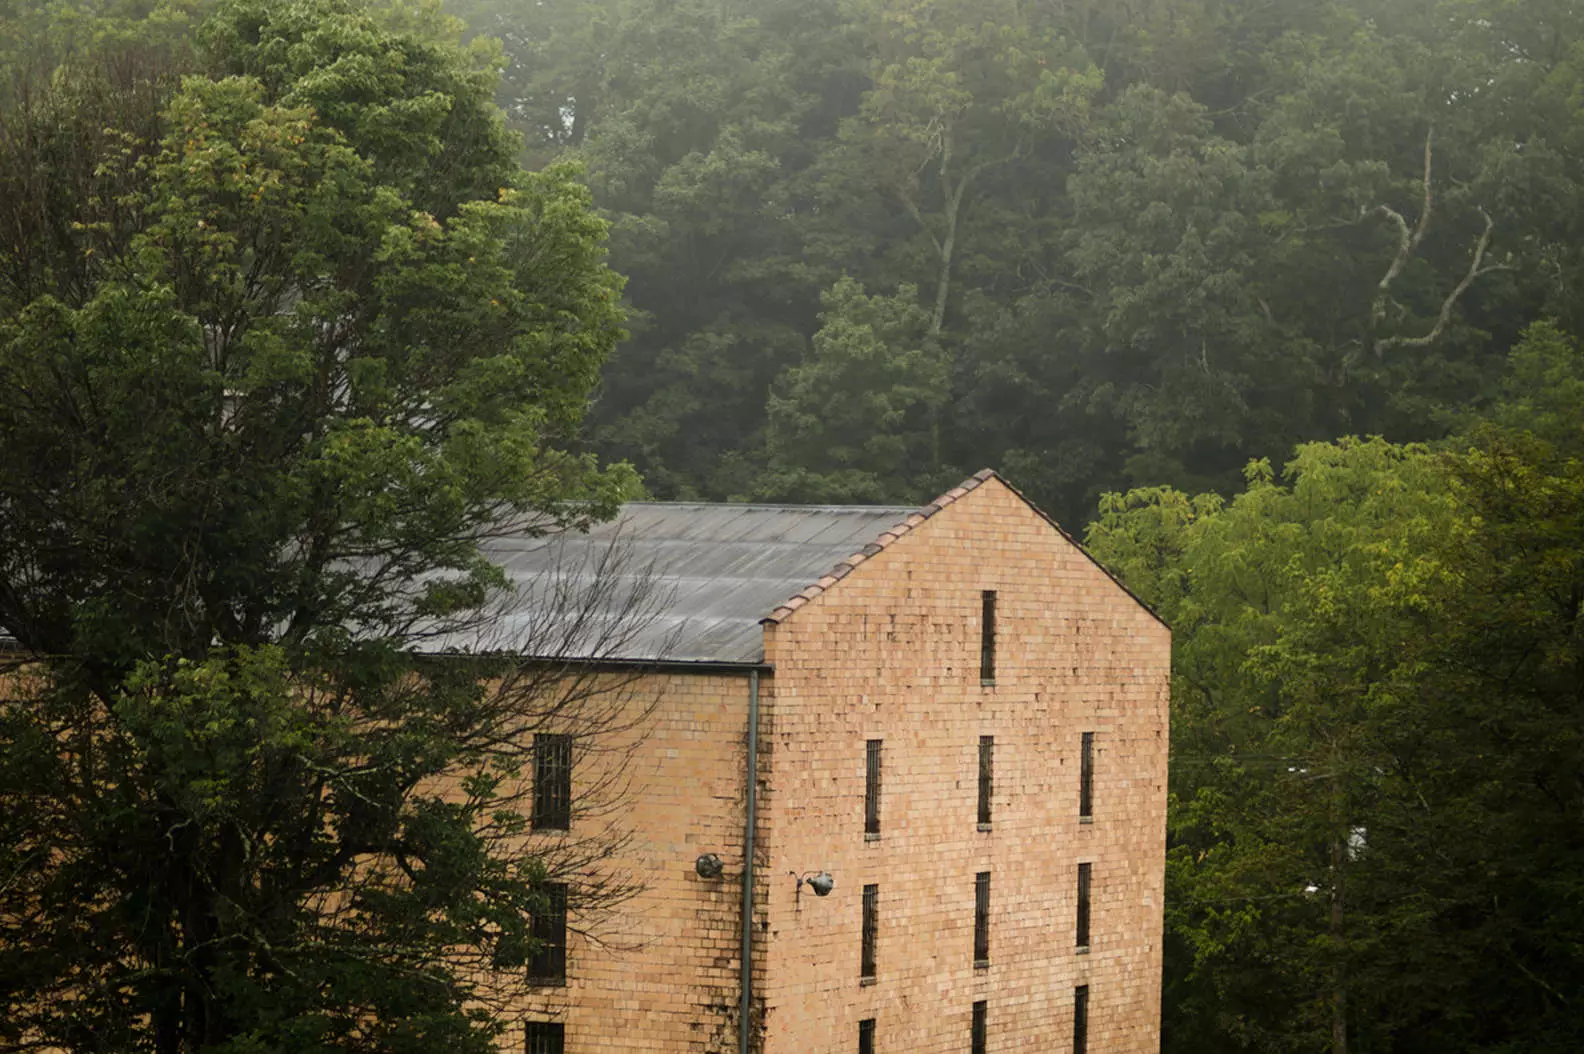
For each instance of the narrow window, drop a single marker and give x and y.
(1086, 779)
(546, 1037)
(1083, 905)
(982, 919)
(552, 798)
(872, 789)
(987, 635)
(1081, 1019)
(981, 1011)
(986, 777)
(866, 1036)
(548, 965)
(871, 905)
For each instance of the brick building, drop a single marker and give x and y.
(952, 714)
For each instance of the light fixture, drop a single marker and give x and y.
(709, 866)
(819, 881)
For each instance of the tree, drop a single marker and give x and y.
(285, 334)
(860, 421)
(1376, 675)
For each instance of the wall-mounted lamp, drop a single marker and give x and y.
(709, 866)
(819, 881)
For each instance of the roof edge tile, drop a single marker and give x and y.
(886, 539)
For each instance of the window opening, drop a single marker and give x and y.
(986, 777)
(548, 965)
(871, 904)
(872, 788)
(552, 797)
(866, 1036)
(980, 1013)
(1084, 874)
(987, 637)
(1081, 1019)
(982, 919)
(546, 1037)
(1086, 778)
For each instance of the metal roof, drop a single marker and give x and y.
(672, 582)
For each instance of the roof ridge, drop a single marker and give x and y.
(874, 548)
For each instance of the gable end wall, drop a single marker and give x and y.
(891, 652)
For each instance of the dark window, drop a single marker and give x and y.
(986, 762)
(871, 905)
(548, 966)
(866, 1036)
(1083, 904)
(1086, 778)
(1081, 1019)
(552, 799)
(982, 917)
(872, 788)
(981, 1011)
(987, 635)
(546, 1037)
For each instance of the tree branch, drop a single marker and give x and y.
(1408, 240)
(1475, 270)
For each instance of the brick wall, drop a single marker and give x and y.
(660, 971)
(892, 652)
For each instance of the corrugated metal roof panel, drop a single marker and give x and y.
(675, 582)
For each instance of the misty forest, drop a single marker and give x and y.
(1275, 303)
(1278, 297)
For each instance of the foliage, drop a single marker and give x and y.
(284, 332)
(1376, 680)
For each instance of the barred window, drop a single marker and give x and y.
(546, 1037)
(986, 777)
(982, 918)
(866, 1036)
(980, 1013)
(552, 790)
(1084, 871)
(871, 907)
(548, 965)
(1086, 778)
(987, 637)
(1081, 1019)
(872, 787)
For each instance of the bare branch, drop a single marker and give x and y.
(1476, 269)
(1408, 241)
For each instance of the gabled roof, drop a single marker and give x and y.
(689, 582)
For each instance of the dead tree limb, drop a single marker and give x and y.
(1477, 268)
(1408, 241)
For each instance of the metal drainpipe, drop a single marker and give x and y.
(744, 1025)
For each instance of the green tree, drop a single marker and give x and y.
(284, 333)
(860, 421)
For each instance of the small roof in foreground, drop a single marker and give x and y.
(670, 582)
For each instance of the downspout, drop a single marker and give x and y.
(744, 1024)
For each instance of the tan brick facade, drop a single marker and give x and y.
(892, 652)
